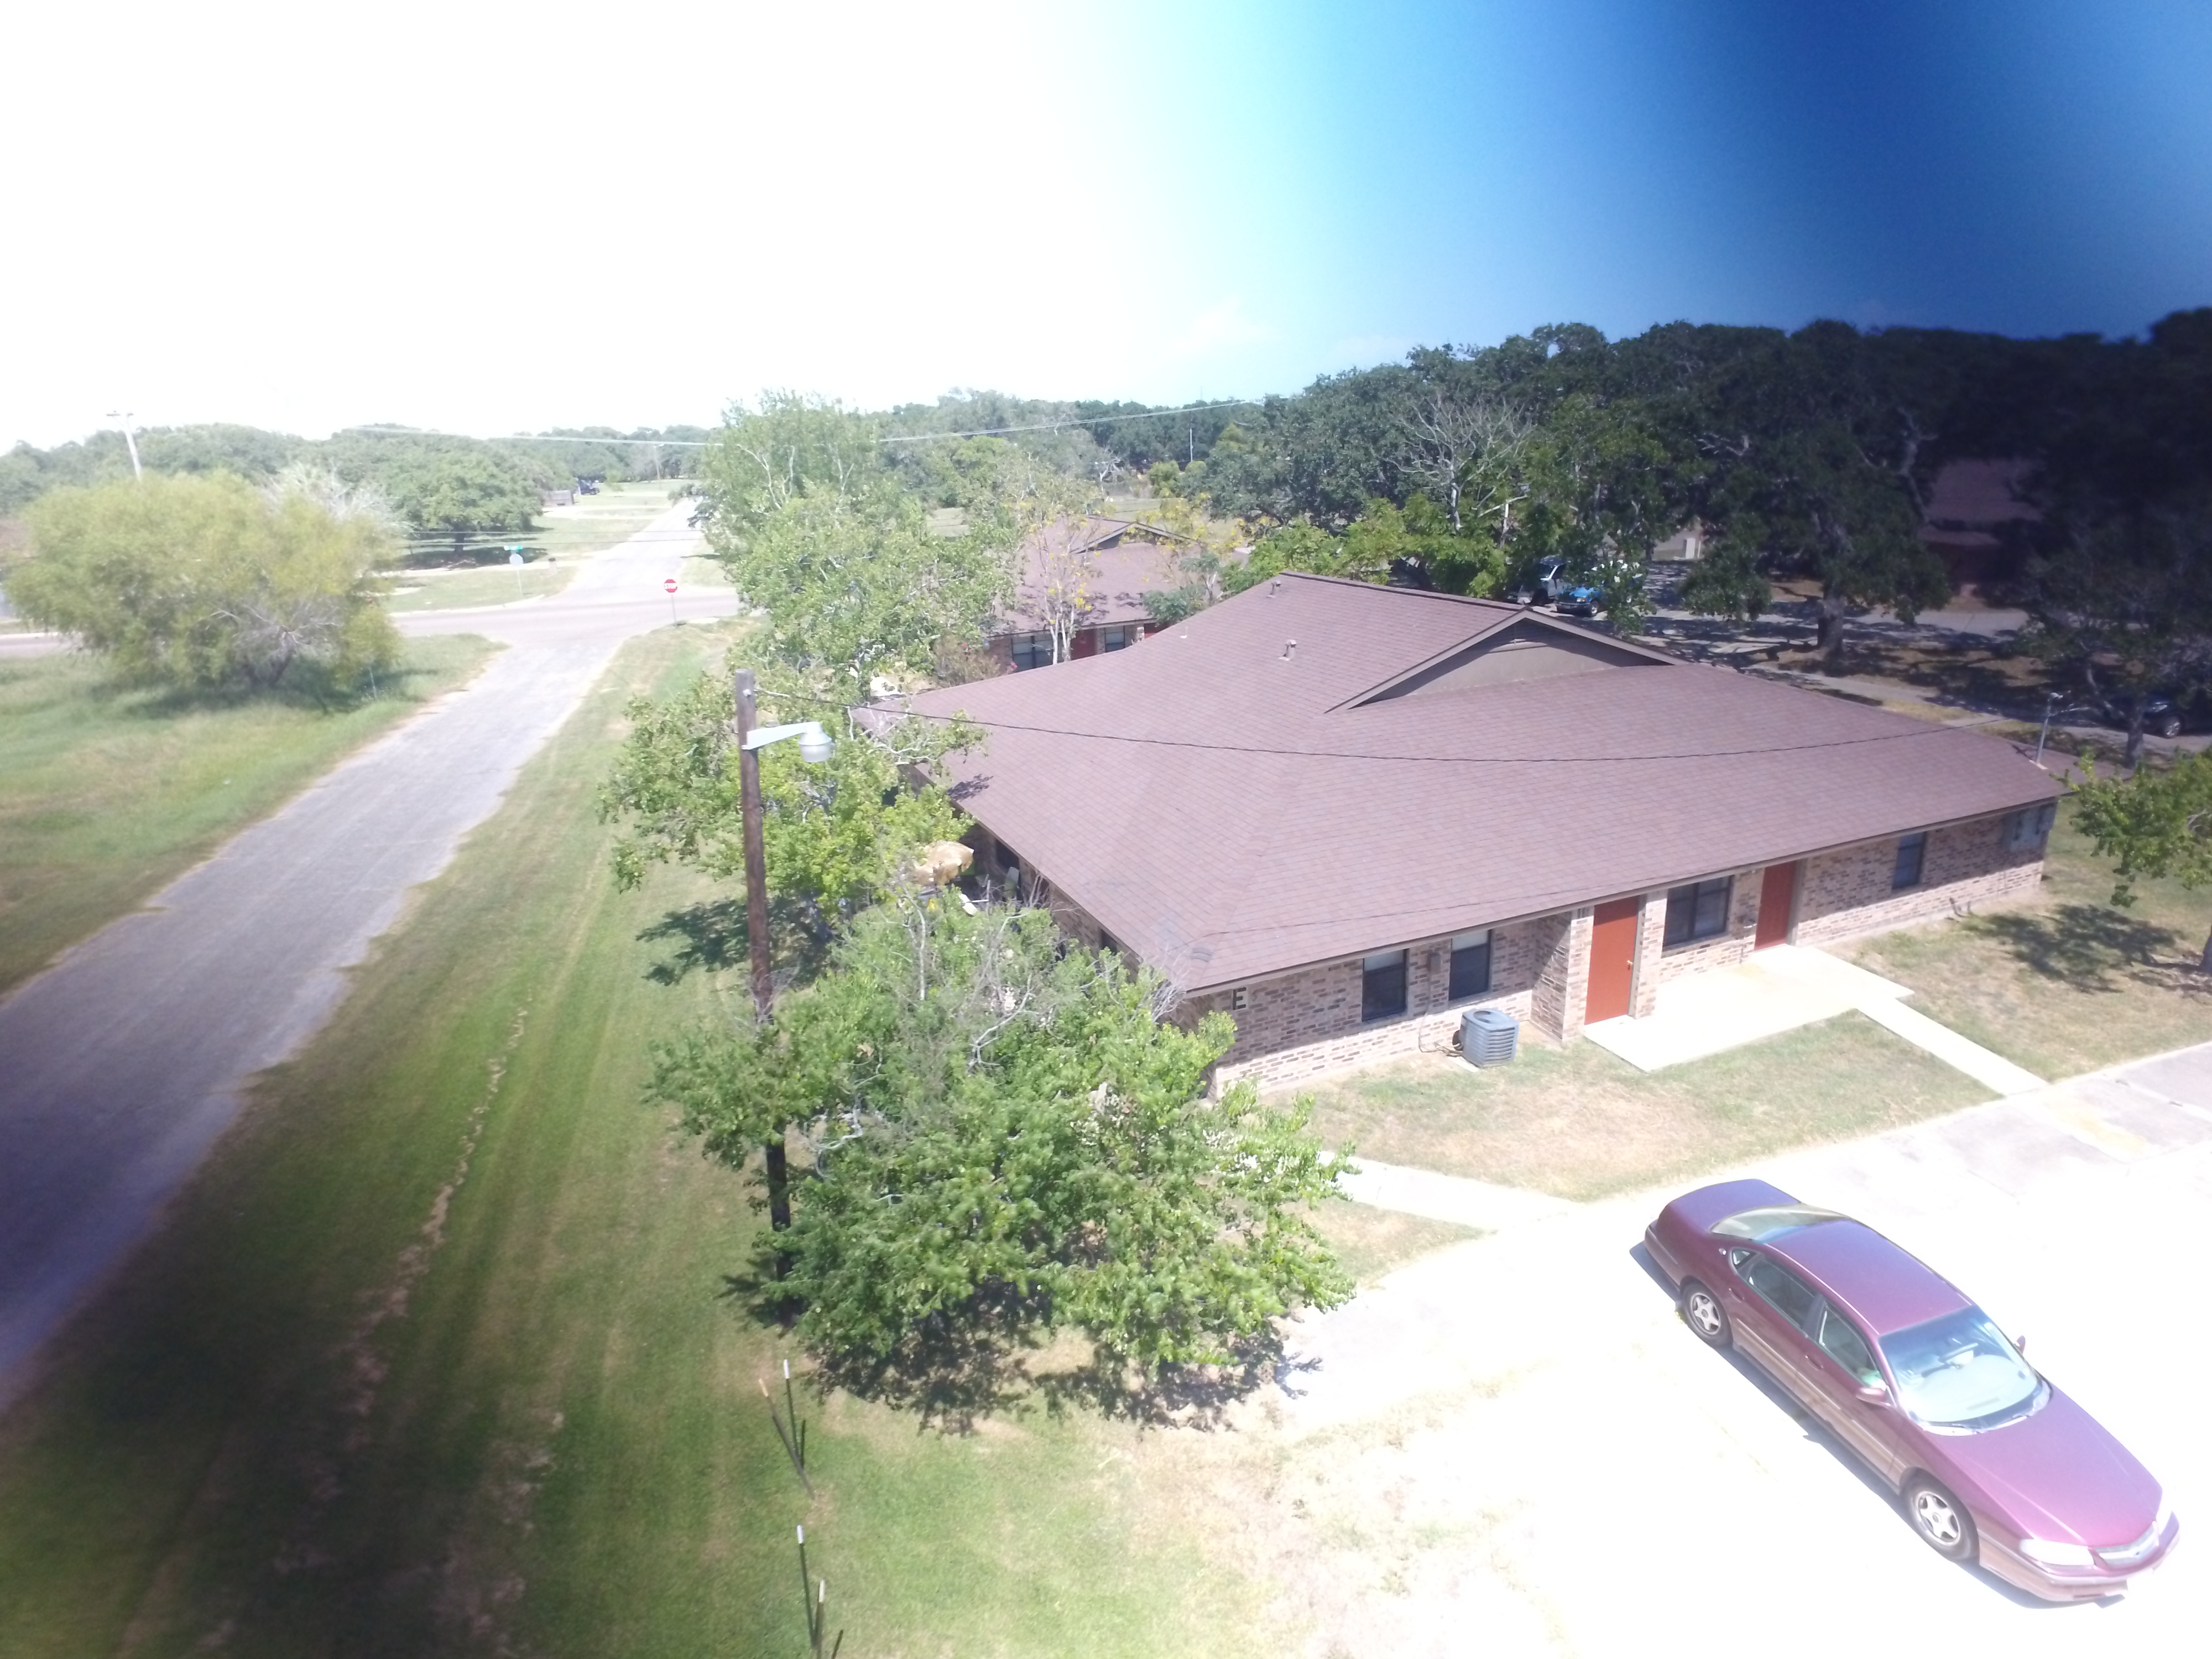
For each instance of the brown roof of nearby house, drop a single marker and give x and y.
(1126, 559)
(1230, 811)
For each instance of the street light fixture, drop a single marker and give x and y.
(129, 442)
(814, 747)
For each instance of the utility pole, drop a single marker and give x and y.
(749, 799)
(130, 443)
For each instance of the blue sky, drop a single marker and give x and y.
(492, 216)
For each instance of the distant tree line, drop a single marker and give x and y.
(1807, 456)
(444, 491)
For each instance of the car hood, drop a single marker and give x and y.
(2059, 1474)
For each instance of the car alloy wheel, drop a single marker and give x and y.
(1703, 1312)
(1940, 1520)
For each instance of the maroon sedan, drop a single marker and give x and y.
(1994, 1464)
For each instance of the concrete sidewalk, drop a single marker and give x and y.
(1778, 990)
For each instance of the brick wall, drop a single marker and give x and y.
(1300, 1025)
(1562, 989)
(1968, 867)
(1303, 1025)
(1651, 942)
(1723, 949)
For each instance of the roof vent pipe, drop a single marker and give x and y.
(1289, 649)
(1275, 588)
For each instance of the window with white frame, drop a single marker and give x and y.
(1031, 650)
(1114, 639)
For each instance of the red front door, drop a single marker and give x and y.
(1778, 897)
(1613, 960)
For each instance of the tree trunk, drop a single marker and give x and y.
(2204, 961)
(2131, 756)
(777, 1179)
(1832, 635)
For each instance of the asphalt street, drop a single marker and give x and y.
(1517, 1436)
(121, 1065)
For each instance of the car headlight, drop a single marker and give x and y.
(2056, 1555)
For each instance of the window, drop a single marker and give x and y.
(2029, 826)
(1031, 650)
(1107, 942)
(1843, 1344)
(1698, 911)
(1782, 1290)
(1959, 1372)
(1470, 965)
(1382, 985)
(1113, 639)
(1911, 860)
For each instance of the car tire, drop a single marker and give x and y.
(1940, 1520)
(2170, 728)
(1703, 1312)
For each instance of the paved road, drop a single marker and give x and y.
(120, 1065)
(1517, 1436)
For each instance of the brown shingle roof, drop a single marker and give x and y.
(1229, 812)
(1124, 575)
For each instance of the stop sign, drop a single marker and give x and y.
(669, 584)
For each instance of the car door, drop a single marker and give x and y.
(1836, 1359)
(1772, 1310)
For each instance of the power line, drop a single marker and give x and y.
(898, 438)
(1359, 754)
(517, 437)
(1072, 420)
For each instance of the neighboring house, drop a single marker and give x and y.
(1093, 578)
(1974, 508)
(1344, 813)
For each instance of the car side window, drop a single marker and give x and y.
(1790, 1296)
(1841, 1342)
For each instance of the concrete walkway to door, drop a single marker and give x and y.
(1778, 990)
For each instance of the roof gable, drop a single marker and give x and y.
(1525, 648)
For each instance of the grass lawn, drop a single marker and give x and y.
(566, 536)
(435, 1355)
(106, 794)
(1373, 1243)
(1580, 1123)
(2067, 983)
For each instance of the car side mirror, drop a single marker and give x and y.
(1873, 1393)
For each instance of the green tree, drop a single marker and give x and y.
(204, 582)
(2119, 583)
(1002, 1138)
(1812, 470)
(836, 833)
(2153, 826)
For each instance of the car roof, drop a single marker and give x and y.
(1886, 1287)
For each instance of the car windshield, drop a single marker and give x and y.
(1959, 1372)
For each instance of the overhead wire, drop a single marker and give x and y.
(894, 438)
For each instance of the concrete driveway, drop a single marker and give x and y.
(1514, 1447)
(126, 1059)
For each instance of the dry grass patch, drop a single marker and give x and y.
(1374, 1243)
(1581, 1123)
(2065, 983)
